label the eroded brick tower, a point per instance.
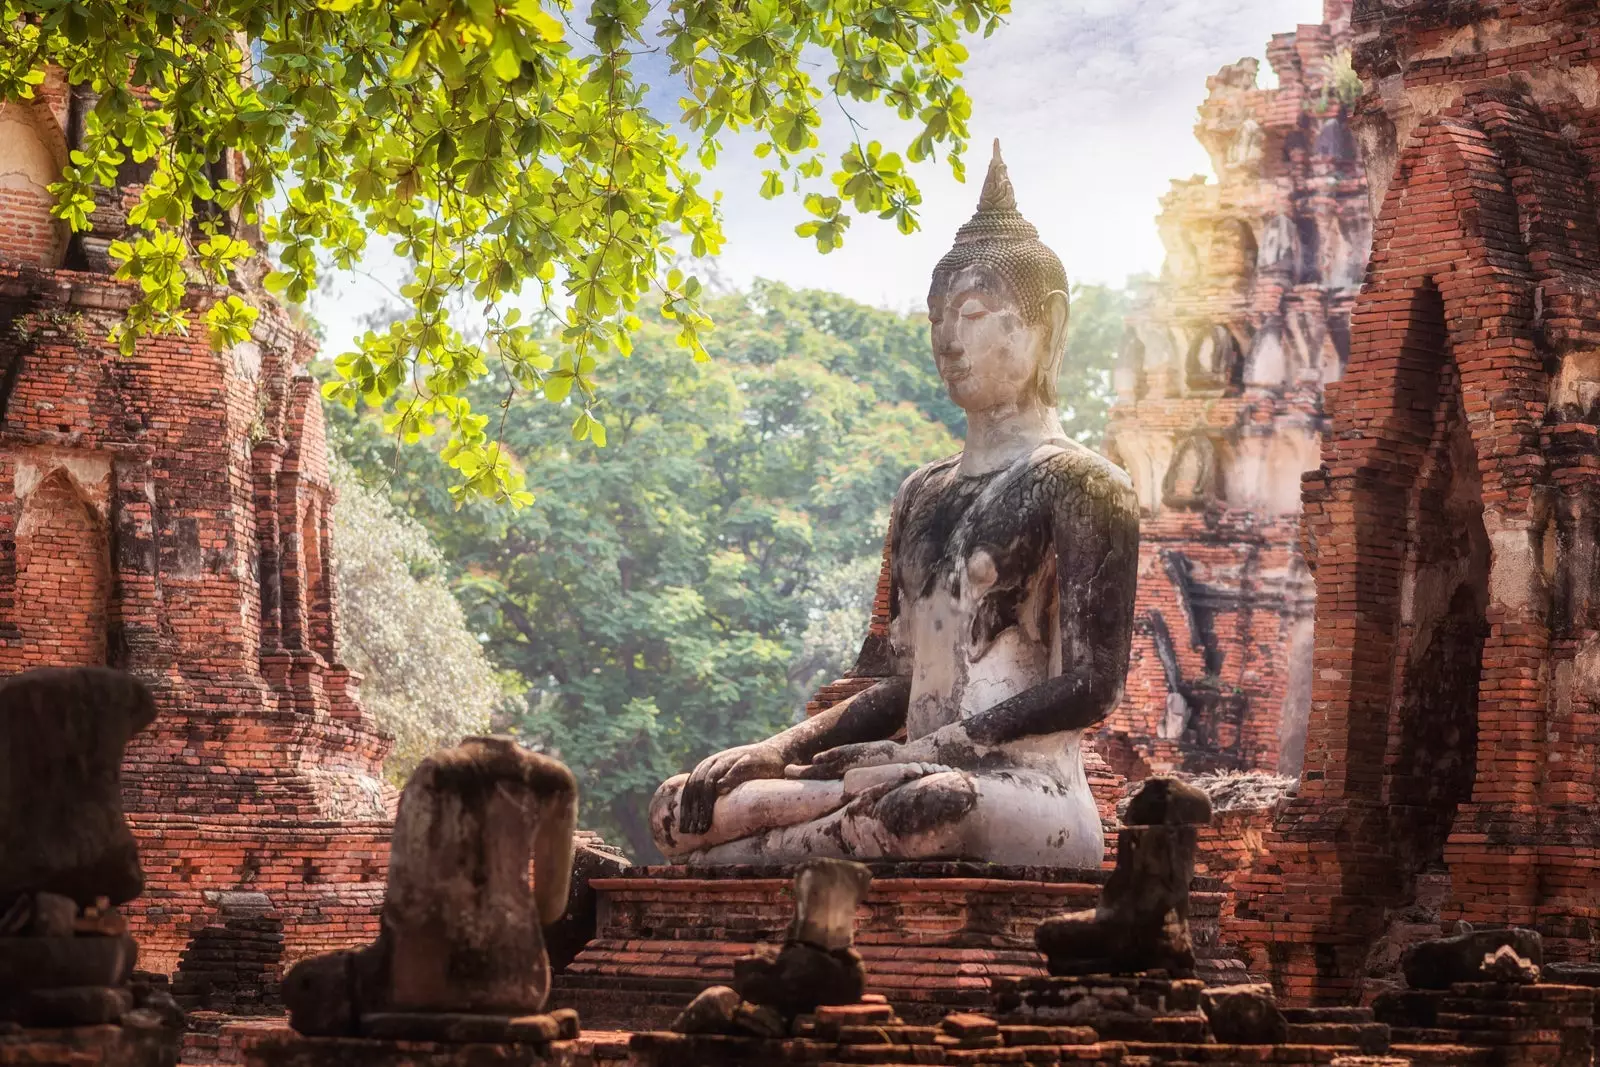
(1450, 768)
(168, 514)
(1220, 411)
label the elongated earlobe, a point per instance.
(1056, 313)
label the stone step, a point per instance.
(1368, 1037)
(1445, 1055)
(1328, 1015)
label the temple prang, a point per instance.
(1220, 408)
(1367, 494)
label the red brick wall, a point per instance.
(1472, 378)
(167, 513)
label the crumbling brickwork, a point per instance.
(1220, 410)
(1450, 769)
(167, 513)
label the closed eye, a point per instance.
(978, 314)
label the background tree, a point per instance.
(687, 587)
(425, 677)
(501, 146)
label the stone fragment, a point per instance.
(1142, 922)
(62, 734)
(758, 1020)
(799, 978)
(709, 1013)
(461, 918)
(461, 926)
(1441, 963)
(1505, 965)
(1163, 801)
(827, 893)
(1244, 1015)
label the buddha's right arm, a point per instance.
(874, 714)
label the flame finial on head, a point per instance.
(998, 195)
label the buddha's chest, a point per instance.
(972, 539)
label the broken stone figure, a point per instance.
(816, 966)
(1142, 923)
(459, 954)
(1012, 570)
(67, 857)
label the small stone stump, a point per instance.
(1142, 922)
(817, 965)
(67, 861)
(458, 974)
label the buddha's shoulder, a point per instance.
(922, 474)
(1071, 468)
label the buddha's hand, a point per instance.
(717, 774)
(833, 762)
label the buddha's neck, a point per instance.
(998, 437)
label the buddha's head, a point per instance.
(998, 305)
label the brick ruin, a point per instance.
(1450, 768)
(1220, 410)
(171, 508)
(168, 513)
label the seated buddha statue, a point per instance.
(1011, 567)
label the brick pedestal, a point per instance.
(932, 934)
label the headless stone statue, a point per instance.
(461, 926)
(1012, 570)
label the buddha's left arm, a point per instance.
(1096, 535)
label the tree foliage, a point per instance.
(503, 146)
(425, 677)
(689, 586)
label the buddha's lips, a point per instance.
(955, 372)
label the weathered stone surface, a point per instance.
(1164, 801)
(462, 921)
(709, 1013)
(461, 926)
(1142, 921)
(1011, 571)
(62, 831)
(798, 978)
(1441, 963)
(827, 894)
(1244, 1015)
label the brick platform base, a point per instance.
(932, 934)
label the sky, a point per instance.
(1094, 104)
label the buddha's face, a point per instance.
(987, 353)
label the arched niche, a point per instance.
(1192, 480)
(63, 579)
(1422, 579)
(1213, 363)
(1233, 251)
(32, 155)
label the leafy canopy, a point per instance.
(504, 146)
